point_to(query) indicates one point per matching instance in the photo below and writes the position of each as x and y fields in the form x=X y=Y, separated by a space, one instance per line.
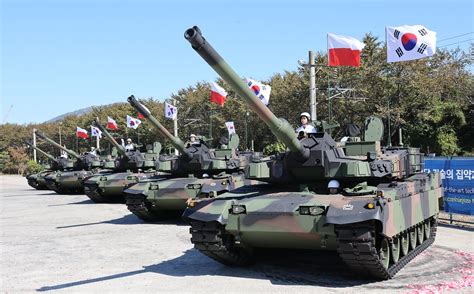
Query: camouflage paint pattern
x=114 y=184
x=37 y=180
x=272 y=218
x=67 y=181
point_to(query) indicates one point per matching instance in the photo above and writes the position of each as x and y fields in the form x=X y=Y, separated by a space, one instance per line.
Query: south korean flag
x=409 y=43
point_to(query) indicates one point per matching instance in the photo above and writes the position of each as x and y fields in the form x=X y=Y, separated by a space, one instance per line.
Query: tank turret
x=68 y=151
x=195 y=158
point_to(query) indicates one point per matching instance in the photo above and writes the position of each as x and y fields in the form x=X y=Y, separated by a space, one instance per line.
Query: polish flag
x=218 y=94
x=111 y=124
x=344 y=50
x=81 y=133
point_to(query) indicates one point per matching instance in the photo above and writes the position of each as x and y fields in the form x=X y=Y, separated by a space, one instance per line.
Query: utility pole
x=246 y=130
x=175 y=125
x=60 y=124
x=34 y=144
x=312 y=84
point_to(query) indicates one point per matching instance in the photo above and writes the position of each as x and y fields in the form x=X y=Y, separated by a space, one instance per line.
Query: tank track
x=92 y=191
x=139 y=207
x=211 y=240
x=33 y=184
x=356 y=247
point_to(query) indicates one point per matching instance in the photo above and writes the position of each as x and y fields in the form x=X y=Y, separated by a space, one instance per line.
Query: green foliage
x=4 y=158
x=274 y=148
x=33 y=167
x=17 y=161
x=430 y=99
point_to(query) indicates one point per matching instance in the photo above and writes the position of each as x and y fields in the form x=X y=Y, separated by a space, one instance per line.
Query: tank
x=37 y=180
x=69 y=178
x=374 y=206
x=197 y=167
x=128 y=168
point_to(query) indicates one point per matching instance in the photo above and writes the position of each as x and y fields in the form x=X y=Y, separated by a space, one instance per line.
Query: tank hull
x=67 y=181
x=270 y=217
x=162 y=195
x=37 y=180
x=108 y=187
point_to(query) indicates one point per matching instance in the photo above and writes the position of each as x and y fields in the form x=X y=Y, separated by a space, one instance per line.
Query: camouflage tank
x=37 y=180
x=198 y=167
x=69 y=178
x=373 y=206
x=128 y=168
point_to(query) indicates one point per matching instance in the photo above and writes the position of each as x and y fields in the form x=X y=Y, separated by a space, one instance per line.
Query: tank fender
x=346 y=211
x=209 y=210
x=138 y=189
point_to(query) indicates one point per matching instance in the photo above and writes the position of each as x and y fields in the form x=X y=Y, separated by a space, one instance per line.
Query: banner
x=457 y=174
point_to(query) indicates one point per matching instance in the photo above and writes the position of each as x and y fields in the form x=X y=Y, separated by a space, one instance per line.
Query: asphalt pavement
x=51 y=242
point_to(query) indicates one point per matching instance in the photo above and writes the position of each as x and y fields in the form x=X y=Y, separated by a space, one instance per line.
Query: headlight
x=194 y=186
x=312 y=210
x=238 y=209
x=154 y=187
x=132 y=178
x=103 y=178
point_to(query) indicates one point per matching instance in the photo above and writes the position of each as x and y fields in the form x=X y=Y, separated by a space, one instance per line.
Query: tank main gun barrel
x=279 y=127
x=175 y=141
x=49 y=156
x=44 y=137
x=109 y=137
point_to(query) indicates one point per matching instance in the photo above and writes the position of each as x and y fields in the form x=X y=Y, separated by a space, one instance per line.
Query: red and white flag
x=81 y=133
x=230 y=127
x=260 y=90
x=409 y=43
x=111 y=124
x=133 y=122
x=344 y=50
x=218 y=94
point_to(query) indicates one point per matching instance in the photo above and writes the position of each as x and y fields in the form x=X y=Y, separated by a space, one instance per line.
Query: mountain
x=77 y=112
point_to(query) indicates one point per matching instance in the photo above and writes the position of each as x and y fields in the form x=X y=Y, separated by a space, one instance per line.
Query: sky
x=59 y=56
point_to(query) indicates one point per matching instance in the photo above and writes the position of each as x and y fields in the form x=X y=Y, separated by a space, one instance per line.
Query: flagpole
x=138 y=136
x=389 y=141
x=210 y=122
x=175 y=124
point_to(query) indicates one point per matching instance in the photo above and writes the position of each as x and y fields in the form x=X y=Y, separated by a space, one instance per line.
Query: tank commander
x=193 y=139
x=306 y=127
x=130 y=146
x=333 y=187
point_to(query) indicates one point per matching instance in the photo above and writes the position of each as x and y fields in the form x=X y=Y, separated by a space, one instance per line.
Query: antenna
x=5 y=117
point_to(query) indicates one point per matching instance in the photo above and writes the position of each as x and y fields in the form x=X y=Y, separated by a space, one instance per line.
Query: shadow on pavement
x=323 y=269
x=87 y=201
x=130 y=219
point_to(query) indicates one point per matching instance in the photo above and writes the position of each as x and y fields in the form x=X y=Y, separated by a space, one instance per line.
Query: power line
x=455 y=43
x=454 y=37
